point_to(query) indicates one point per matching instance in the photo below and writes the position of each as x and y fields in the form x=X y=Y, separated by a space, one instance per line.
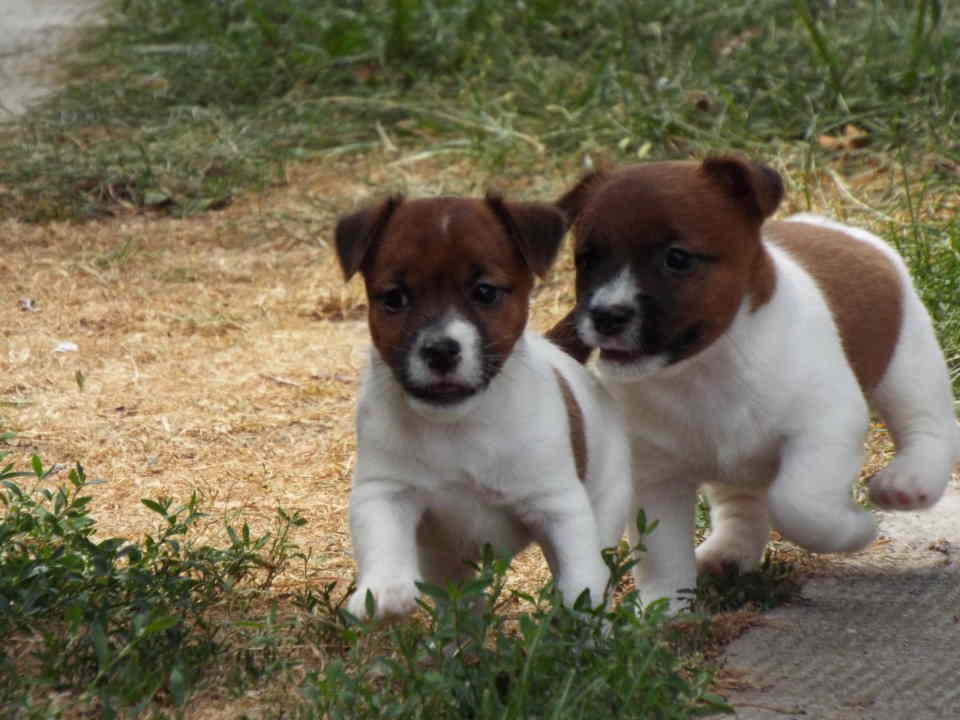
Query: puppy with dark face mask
x=470 y=429
x=745 y=353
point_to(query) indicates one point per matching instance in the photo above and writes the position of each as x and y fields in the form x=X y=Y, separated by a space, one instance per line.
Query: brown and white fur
x=470 y=429
x=745 y=353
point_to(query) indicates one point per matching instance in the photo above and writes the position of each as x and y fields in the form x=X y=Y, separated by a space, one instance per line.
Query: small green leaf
x=155 y=506
x=178 y=685
x=156 y=197
x=99 y=638
x=158 y=625
x=73 y=614
x=716 y=702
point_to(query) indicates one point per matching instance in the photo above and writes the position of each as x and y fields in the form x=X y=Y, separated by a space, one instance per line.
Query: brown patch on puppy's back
x=862 y=288
x=578 y=438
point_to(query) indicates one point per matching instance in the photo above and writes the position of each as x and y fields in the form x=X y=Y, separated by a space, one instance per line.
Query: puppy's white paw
x=716 y=555
x=679 y=601
x=393 y=597
x=679 y=590
x=572 y=587
x=906 y=486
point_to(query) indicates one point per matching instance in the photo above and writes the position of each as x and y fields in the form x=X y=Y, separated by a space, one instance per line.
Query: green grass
x=181 y=104
x=116 y=628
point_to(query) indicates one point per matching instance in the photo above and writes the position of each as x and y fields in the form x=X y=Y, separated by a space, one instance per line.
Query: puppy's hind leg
x=810 y=500
x=915 y=400
x=740 y=527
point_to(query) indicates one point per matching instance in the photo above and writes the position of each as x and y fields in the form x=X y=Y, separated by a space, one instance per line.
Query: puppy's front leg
x=667 y=566
x=568 y=535
x=383 y=524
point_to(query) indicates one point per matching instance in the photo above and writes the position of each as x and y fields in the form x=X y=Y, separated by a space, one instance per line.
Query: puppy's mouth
x=681 y=347
x=443 y=392
x=621 y=357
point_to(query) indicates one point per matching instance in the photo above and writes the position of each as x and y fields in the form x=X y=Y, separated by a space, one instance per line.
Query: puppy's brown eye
x=485 y=293
x=394 y=300
x=679 y=261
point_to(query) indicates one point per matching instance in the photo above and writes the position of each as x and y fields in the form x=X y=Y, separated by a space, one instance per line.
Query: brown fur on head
x=423 y=260
x=689 y=233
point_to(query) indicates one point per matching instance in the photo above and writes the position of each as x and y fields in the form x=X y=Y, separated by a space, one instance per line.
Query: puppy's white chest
x=693 y=426
x=468 y=470
x=469 y=459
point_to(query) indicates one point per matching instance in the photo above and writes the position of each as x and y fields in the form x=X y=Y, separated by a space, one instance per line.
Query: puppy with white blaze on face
x=471 y=429
x=745 y=353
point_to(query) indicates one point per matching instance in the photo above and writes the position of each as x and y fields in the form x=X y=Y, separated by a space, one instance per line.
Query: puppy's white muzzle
x=613 y=323
x=612 y=318
x=445 y=368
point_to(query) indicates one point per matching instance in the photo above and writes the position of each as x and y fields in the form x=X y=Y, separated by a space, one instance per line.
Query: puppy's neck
x=722 y=362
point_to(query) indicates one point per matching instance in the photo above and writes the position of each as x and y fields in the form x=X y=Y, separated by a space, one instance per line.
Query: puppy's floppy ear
x=536 y=228
x=575 y=199
x=758 y=187
x=357 y=234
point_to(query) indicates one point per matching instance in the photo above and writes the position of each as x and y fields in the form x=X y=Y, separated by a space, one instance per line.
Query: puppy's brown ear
x=758 y=187
x=357 y=234
x=537 y=230
x=575 y=199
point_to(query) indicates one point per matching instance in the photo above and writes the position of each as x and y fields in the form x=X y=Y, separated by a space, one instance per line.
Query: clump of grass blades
x=203 y=99
x=772 y=584
x=126 y=628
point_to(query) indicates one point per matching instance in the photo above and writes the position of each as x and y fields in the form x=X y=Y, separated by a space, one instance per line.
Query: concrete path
x=32 y=33
x=876 y=637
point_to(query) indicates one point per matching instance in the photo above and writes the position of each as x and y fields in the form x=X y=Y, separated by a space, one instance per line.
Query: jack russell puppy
x=744 y=353
x=471 y=430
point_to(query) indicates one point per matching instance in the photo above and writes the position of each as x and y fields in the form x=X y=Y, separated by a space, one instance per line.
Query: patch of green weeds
x=772 y=584
x=115 y=625
x=116 y=628
x=473 y=660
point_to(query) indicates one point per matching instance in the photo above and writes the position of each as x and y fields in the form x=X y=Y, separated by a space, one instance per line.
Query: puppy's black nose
x=612 y=319
x=441 y=355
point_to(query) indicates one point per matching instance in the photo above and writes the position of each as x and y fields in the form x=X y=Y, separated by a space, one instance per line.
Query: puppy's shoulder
x=563 y=371
x=554 y=360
